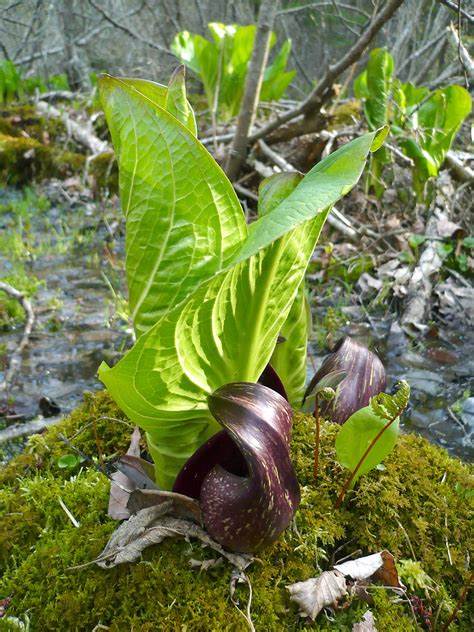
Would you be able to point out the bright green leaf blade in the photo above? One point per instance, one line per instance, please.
(184, 220)
(328, 181)
(157, 95)
(225, 332)
(289, 356)
(356, 435)
(379, 85)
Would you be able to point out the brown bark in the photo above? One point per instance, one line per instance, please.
(253, 84)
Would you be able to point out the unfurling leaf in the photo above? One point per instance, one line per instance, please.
(243, 476)
(389, 406)
(364, 378)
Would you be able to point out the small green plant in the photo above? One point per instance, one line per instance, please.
(222, 63)
(424, 123)
(370, 434)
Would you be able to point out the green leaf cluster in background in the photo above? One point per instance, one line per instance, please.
(431, 128)
(424, 123)
(209, 295)
(222, 63)
(13, 86)
(374, 85)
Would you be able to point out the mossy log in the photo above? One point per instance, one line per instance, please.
(416, 507)
(35, 147)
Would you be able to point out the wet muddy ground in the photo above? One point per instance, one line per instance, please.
(80, 322)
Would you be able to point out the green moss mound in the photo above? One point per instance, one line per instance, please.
(417, 507)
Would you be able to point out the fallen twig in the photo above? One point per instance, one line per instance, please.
(28, 428)
(81, 133)
(15, 360)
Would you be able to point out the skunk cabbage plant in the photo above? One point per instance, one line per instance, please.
(364, 378)
(222, 63)
(208, 294)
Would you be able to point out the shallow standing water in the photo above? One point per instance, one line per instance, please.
(79, 324)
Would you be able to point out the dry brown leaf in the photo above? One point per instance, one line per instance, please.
(388, 573)
(379, 566)
(317, 593)
(151, 526)
(205, 565)
(367, 624)
(183, 506)
(121, 483)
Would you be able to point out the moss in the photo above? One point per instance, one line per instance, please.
(419, 501)
(25, 121)
(104, 172)
(23, 160)
(345, 114)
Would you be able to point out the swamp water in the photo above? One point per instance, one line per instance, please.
(74, 248)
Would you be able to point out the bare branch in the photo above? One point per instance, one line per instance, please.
(314, 101)
(128, 31)
(454, 7)
(321, 5)
(15, 360)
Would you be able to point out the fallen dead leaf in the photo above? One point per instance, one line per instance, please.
(387, 573)
(361, 568)
(121, 483)
(379, 566)
(205, 565)
(367, 624)
(151, 526)
(317, 593)
(183, 506)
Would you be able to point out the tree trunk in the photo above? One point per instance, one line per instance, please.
(253, 85)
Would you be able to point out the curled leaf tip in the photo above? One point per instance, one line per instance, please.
(249, 496)
(379, 138)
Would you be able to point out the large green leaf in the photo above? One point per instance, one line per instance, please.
(227, 329)
(328, 181)
(222, 64)
(379, 84)
(289, 357)
(374, 85)
(225, 332)
(357, 434)
(183, 218)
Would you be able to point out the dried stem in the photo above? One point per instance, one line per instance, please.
(15, 360)
(317, 438)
